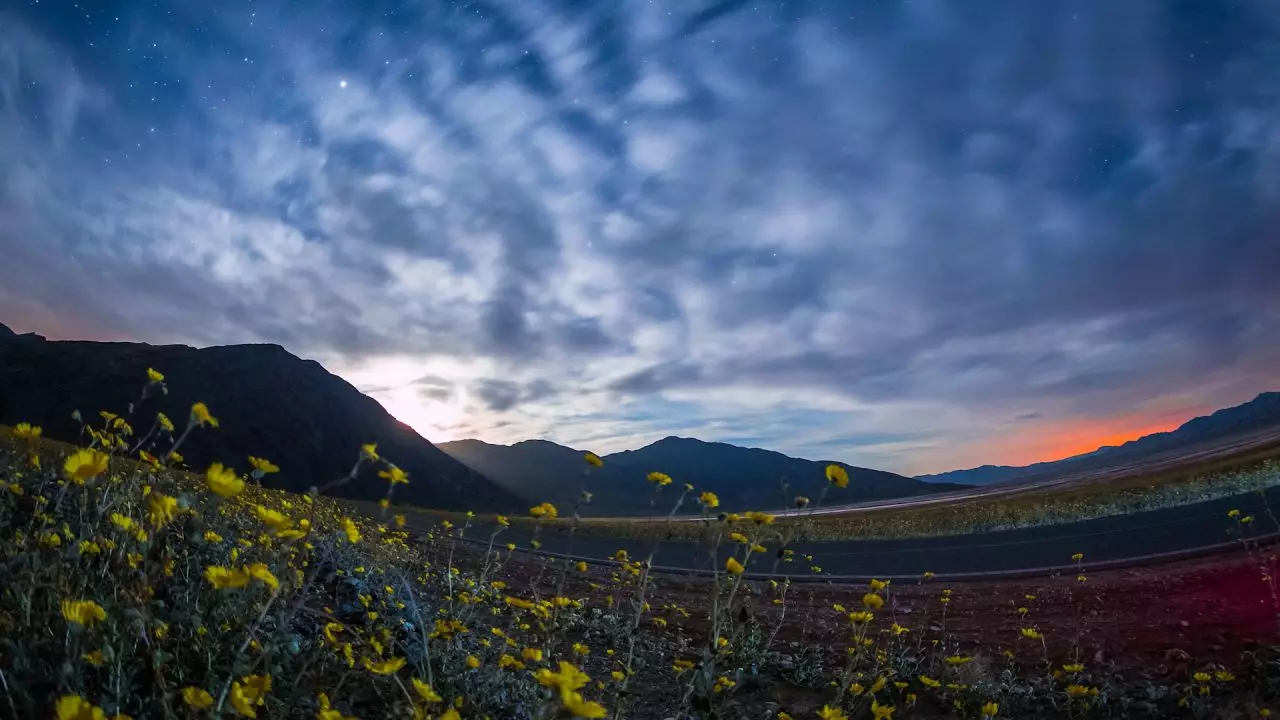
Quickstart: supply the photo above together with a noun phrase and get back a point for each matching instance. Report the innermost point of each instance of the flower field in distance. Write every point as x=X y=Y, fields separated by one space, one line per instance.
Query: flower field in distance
x=136 y=588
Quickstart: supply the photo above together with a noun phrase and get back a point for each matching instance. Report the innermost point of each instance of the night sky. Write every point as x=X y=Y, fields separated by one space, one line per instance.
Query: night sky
x=909 y=235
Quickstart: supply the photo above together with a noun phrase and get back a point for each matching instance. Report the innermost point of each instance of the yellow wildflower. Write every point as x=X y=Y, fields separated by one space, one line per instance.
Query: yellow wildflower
x=837 y=476
x=260 y=572
x=1031 y=634
x=26 y=431
x=592 y=459
x=95 y=658
x=929 y=682
x=395 y=475
x=161 y=509
x=659 y=479
x=351 y=529
x=154 y=375
x=200 y=415
x=224 y=578
x=872 y=601
x=249 y=693
x=733 y=567
x=425 y=692
x=881 y=712
x=83 y=612
x=223 y=481
x=709 y=500
x=74 y=707
x=369 y=451
x=990 y=710
x=386 y=667
x=165 y=423
x=263 y=466
x=545 y=510
x=275 y=520
x=84 y=465
x=829 y=713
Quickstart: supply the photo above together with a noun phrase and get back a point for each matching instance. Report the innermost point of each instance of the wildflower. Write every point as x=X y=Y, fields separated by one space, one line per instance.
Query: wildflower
x=211 y=536
x=802 y=501
x=83 y=612
x=837 y=476
x=1223 y=676
x=957 y=660
x=275 y=520
x=592 y=459
x=1031 y=634
x=681 y=665
x=74 y=707
x=581 y=566
x=881 y=712
x=250 y=692
x=733 y=567
x=544 y=511
x=154 y=375
x=161 y=509
x=531 y=654
x=829 y=713
x=400 y=521
x=709 y=500
x=473 y=662
x=196 y=698
x=200 y=415
x=260 y=572
x=1246 y=519
x=26 y=431
x=929 y=682
x=224 y=578
x=1072 y=668
x=223 y=481
x=425 y=692
x=165 y=423
x=878 y=585
x=760 y=518
x=95 y=658
x=1081 y=691
x=16 y=489
x=394 y=475
x=872 y=601
x=503 y=521
x=386 y=667
x=262 y=466
x=659 y=479
x=84 y=465
x=990 y=710
x=580 y=649
x=1077 y=557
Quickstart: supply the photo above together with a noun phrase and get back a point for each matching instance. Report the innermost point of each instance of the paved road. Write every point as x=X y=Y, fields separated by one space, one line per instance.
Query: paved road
x=1101 y=540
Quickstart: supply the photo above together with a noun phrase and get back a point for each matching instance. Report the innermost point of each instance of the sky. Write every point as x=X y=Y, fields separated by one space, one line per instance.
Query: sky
x=915 y=236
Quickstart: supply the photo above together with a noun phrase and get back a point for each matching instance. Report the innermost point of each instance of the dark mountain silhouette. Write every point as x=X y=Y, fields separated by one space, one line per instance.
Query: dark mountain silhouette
x=270 y=404
x=1260 y=413
x=743 y=478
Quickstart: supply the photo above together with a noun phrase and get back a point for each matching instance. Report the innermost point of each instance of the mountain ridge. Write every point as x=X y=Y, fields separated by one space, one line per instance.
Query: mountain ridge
x=272 y=404
x=743 y=478
x=1261 y=412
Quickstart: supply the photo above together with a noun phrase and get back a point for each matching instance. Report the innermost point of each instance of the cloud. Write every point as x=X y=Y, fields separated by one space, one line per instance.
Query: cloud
x=882 y=235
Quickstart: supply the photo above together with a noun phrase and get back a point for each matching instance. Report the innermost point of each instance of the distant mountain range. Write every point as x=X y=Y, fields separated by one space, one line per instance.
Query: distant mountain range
x=270 y=404
x=743 y=478
x=1260 y=413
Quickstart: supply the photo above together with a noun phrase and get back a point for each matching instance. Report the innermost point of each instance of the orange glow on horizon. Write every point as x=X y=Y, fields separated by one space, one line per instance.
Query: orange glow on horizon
x=1055 y=440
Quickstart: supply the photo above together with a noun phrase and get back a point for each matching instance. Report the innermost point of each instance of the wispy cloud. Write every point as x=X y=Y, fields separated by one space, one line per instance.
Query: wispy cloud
x=892 y=235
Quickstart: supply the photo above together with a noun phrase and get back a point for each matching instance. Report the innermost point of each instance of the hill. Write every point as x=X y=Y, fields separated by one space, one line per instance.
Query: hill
x=1260 y=413
x=270 y=403
x=743 y=478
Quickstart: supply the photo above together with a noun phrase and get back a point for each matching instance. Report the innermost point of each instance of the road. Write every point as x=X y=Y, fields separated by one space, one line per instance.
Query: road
x=1103 y=541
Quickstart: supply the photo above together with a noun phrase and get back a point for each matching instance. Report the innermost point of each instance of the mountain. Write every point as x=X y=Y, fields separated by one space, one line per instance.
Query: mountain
x=743 y=478
x=269 y=403
x=1260 y=413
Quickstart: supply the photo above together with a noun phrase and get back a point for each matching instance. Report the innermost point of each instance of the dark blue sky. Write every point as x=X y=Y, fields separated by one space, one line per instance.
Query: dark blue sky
x=912 y=235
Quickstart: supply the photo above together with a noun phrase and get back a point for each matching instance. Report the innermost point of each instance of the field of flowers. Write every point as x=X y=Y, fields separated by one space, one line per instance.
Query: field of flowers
x=133 y=588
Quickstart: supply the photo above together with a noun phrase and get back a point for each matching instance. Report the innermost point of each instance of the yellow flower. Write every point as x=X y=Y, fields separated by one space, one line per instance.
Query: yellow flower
x=83 y=612
x=26 y=431
x=16 y=489
x=351 y=529
x=956 y=660
x=260 y=572
x=733 y=567
x=263 y=465
x=326 y=711
x=1081 y=691
x=74 y=707
x=200 y=415
x=872 y=601
x=224 y=578
x=760 y=518
x=1223 y=676
x=580 y=649
x=829 y=713
x=1077 y=557
x=709 y=500
x=211 y=536
x=386 y=667
x=223 y=481
x=837 y=476
x=369 y=451
x=1072 y=668
x=990 y=710
x=881 y=712
x=879 y=585
x=250 y=692
x=161 y=509
x=165 y=423
x=196 y=698
x=84 y=465
x=154 y=375
x=592 y=459
x=425 y=692
x=1031 y=633
x=473 y=662
x=545 y=510
x=273 y=519
x=531 y=654
x=659 y=479
x=395 y=475
x=929 y=682
x=95 y=658
x=857 y=618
